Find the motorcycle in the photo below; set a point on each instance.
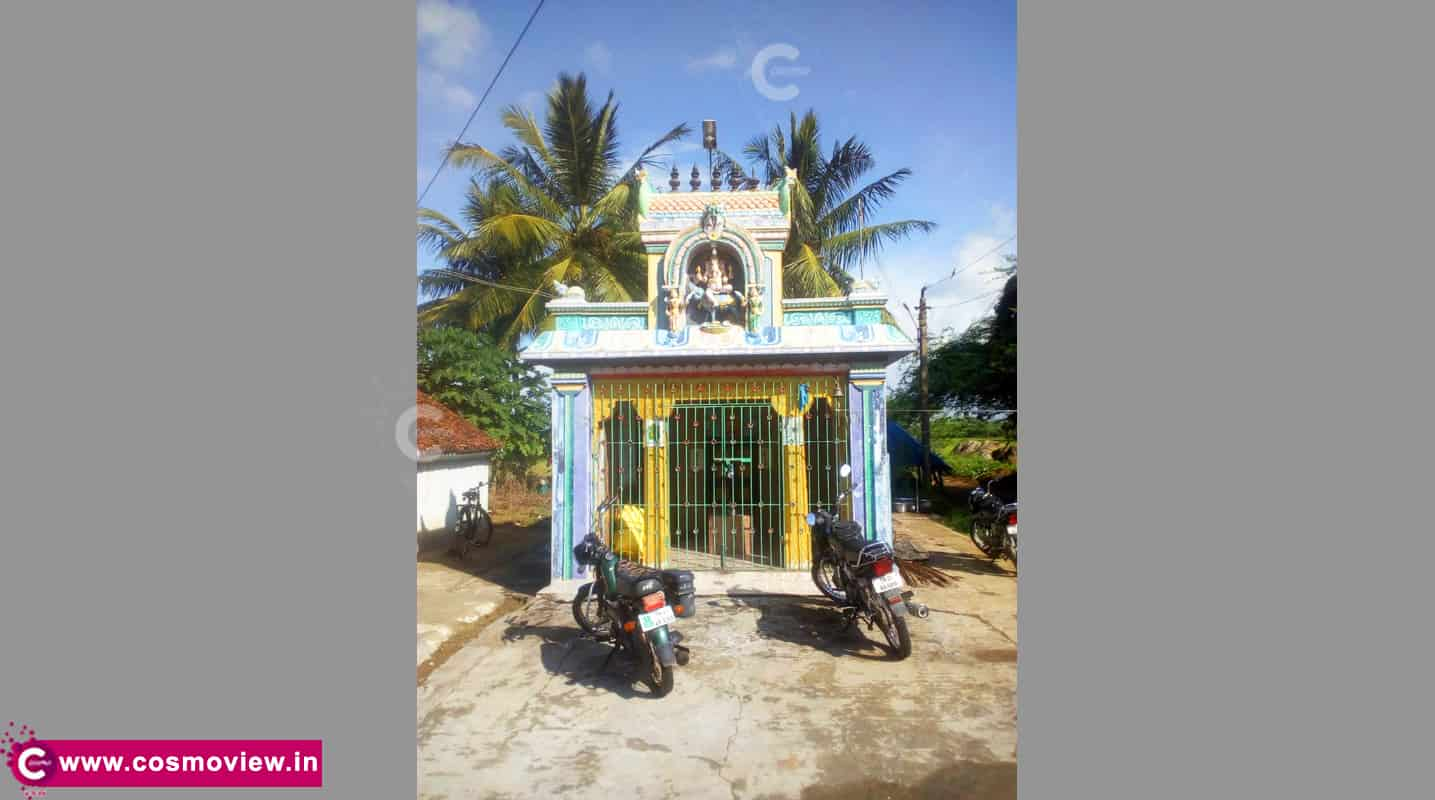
(631, 606)
(861, 576)
(993, 523)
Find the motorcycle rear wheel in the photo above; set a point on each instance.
(658, 677)
(899, 639)
(982, 537)
(462, 537)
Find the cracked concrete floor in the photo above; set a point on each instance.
(774, 704)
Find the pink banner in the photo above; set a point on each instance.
(162, 763)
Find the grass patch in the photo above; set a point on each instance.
(959, 518)
(975, 466)
(513, 502)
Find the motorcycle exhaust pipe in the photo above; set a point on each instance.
(919, 610)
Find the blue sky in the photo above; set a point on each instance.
(929, 87)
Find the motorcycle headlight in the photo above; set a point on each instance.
(811, 518)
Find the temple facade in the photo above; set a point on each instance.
(716, 414)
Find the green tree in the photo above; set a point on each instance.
(975, 372)
(827, 238)
(490, 388)
(556, 207)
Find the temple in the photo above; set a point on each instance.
(717, 413)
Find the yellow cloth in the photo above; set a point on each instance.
(630, 540)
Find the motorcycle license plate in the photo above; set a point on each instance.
(657, 619)
(887, 583)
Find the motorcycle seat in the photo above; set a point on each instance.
(848, 536)
(635, 580)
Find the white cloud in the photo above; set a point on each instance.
(437, 87)
(722, 58)
(599, 57)
(448, 33)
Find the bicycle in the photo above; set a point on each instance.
(475, 527)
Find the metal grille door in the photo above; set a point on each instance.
(717, 473)
(725, 493)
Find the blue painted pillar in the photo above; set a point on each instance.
(572, 415)
(867, 442)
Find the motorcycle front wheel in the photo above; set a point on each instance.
(588, 612)
(825, 573)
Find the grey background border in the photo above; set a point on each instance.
(1225, 397)
(204, 510)
(207, 323)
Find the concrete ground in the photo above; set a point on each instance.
(458, 598)
(776, 702)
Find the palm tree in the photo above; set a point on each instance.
(553, 208)
(828, 237)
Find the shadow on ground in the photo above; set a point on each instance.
(972, 564)
(516, 558)
(814, 623)
(565, 651)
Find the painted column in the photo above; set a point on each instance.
(867, 435)
(571, 433)
(857, 453)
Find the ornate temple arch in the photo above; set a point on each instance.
(736, 241)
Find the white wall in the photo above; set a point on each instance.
(440, 492)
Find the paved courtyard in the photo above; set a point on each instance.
(776, 702)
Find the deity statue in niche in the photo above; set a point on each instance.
(710, 288)
(677, 308)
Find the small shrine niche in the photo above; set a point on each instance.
(714, 291)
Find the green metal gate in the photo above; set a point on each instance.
(725, 498)
(722, 472)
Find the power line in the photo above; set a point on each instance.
(970, 299)
(449, 152)
(463, 276)
(973, 262)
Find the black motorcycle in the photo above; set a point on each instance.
(631, 606)
(861, 576)
(993, 523)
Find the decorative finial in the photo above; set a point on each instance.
(733, 178)
(673, 180)
(645, 192)
(717, 179)
(696, 181)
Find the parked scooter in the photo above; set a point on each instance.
(861, 576)
(993, 523)
(632, 606)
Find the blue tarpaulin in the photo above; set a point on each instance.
(905, 451)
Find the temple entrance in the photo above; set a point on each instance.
(725, 498)
(717, 473)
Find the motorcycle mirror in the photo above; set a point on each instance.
(845, 471)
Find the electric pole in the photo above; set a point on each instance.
(922, 388)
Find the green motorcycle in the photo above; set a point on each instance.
(631, 606)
